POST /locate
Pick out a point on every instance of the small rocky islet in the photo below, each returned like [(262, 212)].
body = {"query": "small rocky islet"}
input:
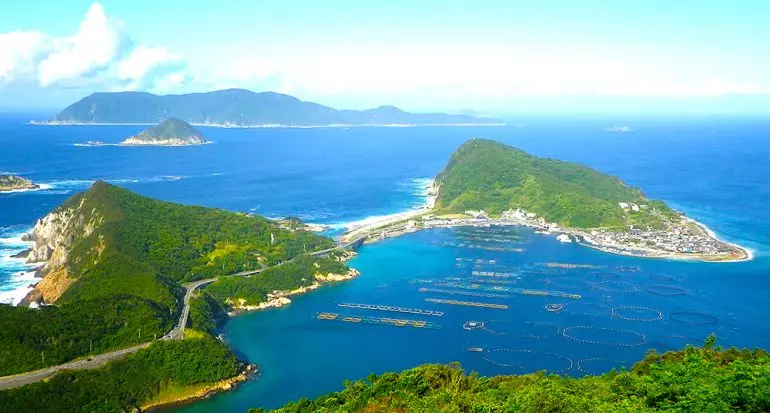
[(170, 132), (15, 182)]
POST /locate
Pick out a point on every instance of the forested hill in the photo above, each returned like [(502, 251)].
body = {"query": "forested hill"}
[(111, 236), (488, 175), (238, 107), (693, 380), (112, 264)]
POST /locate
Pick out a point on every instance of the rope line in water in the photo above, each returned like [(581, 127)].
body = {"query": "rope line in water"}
[(641, 337), (698, 319), (580, 364), (655, 315), (665, 290), (488, 354)]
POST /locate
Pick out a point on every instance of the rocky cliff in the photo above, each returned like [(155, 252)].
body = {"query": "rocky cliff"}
[(54, 236)]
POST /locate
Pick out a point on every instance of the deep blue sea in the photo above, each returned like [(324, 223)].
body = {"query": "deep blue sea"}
[(713, 168)]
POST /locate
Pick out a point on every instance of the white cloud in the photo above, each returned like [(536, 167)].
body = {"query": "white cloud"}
[(18, 52), (479, 73), (99, 55), (97, 44)]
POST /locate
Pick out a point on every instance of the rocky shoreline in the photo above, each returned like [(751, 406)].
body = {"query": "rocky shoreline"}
[(278, 298), (206, 392), (10, 183)]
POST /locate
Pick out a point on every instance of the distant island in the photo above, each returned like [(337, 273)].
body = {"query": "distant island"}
[(487, 182), (170, 132), (14, 183), (620, 129), (240, 108)]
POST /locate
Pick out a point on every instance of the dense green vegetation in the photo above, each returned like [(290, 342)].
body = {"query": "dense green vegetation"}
[(291, 275), (693, 380), (237, 107), (154, 240), (126, 273), (128, 383), (32, 339), (206, 313), (488, 175), (172, 128)]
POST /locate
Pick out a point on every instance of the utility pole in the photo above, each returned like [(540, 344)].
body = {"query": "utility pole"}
[(42, 355), (90, 346)]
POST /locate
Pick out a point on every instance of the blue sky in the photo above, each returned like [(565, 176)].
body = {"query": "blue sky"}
[(494, 56)]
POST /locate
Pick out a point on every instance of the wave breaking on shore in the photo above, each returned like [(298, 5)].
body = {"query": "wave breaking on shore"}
[(16, 275)]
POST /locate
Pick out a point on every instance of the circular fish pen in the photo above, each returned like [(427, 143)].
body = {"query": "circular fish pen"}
[(664, 278), (604, 336), (615, 286), (678, 342), (606, 275), (598, 365), (554, 307), (693, 318), (567, 283), (637, 313), (587, 309), (528, 330), (473, 325), (665, 290), (528, 361)]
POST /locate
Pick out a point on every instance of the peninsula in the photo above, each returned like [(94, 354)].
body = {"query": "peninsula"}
[(489, 183), (240, 108), (15, 183), (170, 132), (125, 289)]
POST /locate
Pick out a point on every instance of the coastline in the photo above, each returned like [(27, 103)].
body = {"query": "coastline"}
[(21, 274), (395, 225), (268, 126), (194, 393)]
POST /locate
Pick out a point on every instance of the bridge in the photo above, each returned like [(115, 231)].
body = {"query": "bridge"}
[(354, 245), (176, 333)]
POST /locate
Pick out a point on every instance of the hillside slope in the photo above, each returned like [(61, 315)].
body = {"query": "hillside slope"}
[(490, 176), (693, 380)]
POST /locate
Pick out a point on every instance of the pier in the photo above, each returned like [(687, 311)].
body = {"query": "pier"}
[(376, 320), (468, 303), (573, 266), (466, 293), (417, 311)]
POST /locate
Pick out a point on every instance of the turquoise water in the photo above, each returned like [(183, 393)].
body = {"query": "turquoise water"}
[(302, 357), (715, 169)]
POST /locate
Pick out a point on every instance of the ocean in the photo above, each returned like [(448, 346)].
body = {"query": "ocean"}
[(712, 168)]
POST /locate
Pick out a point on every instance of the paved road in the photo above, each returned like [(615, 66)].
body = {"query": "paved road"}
[(177, 333)]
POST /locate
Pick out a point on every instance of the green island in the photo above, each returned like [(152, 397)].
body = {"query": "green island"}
[(692, 380), (170, 132), (14, 182), (124, 290), (240, 108), (486, 182)]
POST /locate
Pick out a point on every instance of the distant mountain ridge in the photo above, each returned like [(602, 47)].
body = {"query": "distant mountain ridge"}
[(240, 108)]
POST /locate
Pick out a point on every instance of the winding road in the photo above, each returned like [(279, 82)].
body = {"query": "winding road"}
[(177, 333)]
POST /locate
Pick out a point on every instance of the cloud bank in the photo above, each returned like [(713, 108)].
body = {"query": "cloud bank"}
[(99, 55)]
